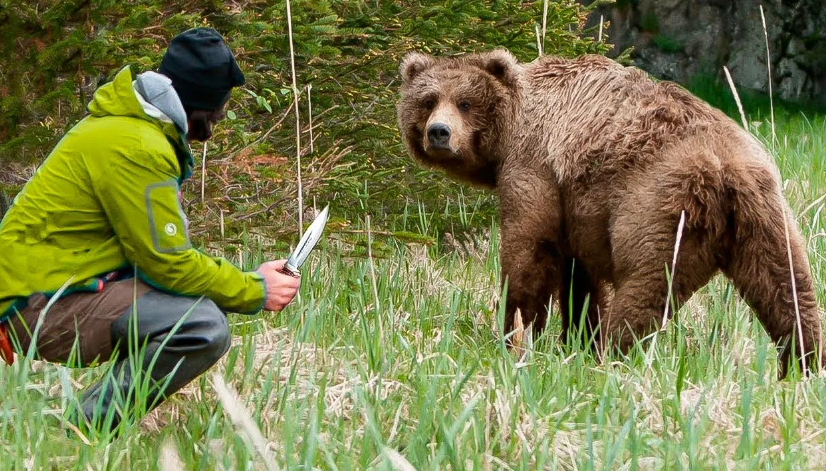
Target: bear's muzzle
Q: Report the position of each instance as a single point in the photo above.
(438, 136)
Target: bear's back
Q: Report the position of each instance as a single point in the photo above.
(594, 110)
(604, 82)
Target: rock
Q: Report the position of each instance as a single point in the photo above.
(678, 40)
(792, 80)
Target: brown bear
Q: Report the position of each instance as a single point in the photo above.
(594, 165)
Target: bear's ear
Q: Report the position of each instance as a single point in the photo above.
(501, 64)
(413, 64)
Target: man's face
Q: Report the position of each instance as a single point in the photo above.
(200, 124)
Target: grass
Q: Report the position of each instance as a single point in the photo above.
(392, 358)
(412, 374)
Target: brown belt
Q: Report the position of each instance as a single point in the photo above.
(5, 345)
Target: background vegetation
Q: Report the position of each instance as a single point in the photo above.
(347, 53)
(391, 357)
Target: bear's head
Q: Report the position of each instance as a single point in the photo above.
(457, 114)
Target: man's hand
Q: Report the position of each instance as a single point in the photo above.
(281, 288)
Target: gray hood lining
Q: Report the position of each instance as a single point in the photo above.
(159, 100)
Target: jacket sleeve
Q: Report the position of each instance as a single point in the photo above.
(141, 196)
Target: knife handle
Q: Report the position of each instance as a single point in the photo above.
(287, 271)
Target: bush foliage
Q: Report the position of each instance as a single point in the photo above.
(53, 54)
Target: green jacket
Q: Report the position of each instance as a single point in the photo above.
(106, 199)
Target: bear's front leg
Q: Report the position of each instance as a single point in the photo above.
(530, 257)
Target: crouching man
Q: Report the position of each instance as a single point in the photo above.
(102, 217)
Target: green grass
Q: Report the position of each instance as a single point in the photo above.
(350, 373)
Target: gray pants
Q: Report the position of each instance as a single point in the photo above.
(158, 343)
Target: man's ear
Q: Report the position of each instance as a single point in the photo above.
(499, 63)
(413, 64)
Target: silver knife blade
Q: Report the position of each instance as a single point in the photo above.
(307, 243)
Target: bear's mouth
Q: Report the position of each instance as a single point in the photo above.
(429, 153)
(442, 153)
(438, 152)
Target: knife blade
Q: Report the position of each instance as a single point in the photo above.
(306, 244)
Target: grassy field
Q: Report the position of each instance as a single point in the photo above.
(392, 357)
(393, 360)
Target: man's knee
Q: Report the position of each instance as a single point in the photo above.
(211, 324)
(187, 324)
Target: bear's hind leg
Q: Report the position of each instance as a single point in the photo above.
(759, 269)
(643, 242)
(638, 307)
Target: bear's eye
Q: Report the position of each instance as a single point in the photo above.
(429, 103)
(464, 105)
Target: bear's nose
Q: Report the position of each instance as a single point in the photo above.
(439, 135)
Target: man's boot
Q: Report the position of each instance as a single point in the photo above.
(173, 356)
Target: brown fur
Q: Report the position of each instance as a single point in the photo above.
(593, 164)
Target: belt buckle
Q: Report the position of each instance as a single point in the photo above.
(5, 345)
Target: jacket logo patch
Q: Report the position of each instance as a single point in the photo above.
(167, 223)
(170, 229)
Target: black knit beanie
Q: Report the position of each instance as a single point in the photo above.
(202, 68)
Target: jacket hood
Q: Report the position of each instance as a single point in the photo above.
(159, 100)
(151, 97)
